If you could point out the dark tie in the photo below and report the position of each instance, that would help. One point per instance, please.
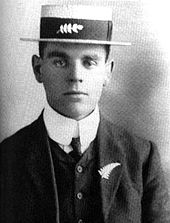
(76, 145)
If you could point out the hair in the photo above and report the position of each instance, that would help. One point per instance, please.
(107, 47)
(42, 46)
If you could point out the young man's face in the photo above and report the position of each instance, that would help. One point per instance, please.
(73, 76)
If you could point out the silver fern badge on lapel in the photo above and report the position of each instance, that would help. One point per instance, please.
(106, 170)
(69, 28)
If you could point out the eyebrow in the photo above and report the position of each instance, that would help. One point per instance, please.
(56, 54)
(92, 57)
(53, 54)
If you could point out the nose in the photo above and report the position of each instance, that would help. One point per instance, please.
(75, 72)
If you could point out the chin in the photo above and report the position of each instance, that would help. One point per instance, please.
(78, 112)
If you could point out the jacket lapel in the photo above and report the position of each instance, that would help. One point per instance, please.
(109, 153)
(41, 169)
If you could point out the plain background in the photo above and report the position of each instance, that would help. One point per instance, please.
(138, 97)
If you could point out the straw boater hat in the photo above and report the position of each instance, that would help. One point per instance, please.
(76, 24)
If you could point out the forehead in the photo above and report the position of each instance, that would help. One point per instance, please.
(71, 49)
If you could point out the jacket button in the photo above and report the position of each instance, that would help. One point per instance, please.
(80, 169)
(79, 195)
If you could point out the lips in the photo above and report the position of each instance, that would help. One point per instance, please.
(75, 93)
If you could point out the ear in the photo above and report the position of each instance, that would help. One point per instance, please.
(36, 65)
(109, 70)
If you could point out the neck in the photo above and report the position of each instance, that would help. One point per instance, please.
(75, 116)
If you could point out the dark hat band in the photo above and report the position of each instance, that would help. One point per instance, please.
(59, 28)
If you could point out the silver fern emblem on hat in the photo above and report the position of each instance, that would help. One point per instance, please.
(106, 170)
(69, 28)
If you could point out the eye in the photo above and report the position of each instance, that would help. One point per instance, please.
(60, 62)
(90, 63)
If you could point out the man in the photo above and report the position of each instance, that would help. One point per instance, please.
(71, 165)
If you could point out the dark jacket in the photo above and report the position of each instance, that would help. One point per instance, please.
(135, 191)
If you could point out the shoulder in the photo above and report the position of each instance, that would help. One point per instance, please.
(22, 136)
(134, 147)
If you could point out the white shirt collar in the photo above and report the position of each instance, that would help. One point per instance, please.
(62, 129)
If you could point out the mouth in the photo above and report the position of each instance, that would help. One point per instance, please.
(72, 93)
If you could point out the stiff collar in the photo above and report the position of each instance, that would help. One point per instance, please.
(62, 129)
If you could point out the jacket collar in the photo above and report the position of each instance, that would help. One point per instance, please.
(41, 169)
